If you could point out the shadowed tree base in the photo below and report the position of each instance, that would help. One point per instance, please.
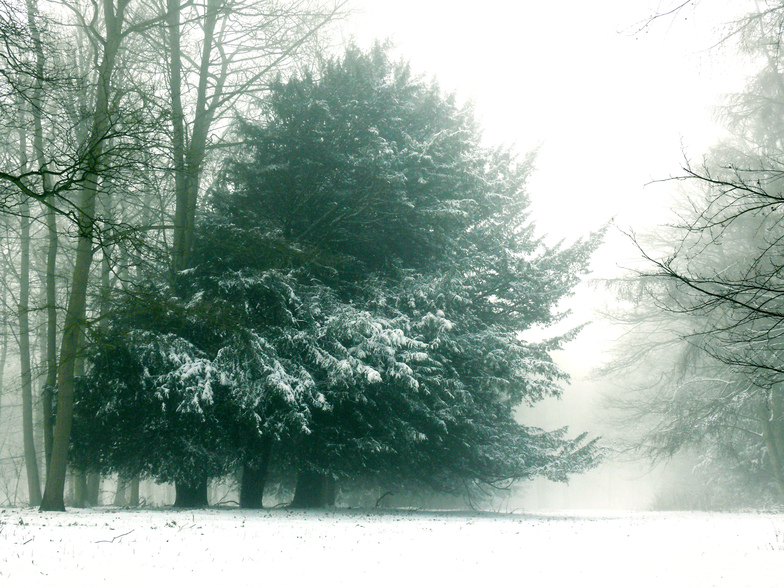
(52, 504)
(314, 490)
(252, 487)
(191, 496)
(254, 479)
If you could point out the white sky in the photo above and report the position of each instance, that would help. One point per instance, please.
(611, 108)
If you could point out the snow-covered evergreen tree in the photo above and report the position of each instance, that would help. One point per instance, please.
(362, 283)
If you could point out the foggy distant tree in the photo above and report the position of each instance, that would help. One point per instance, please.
(715, 290)
(37, 100)
(4, 329)
(31, 460)
(360, 282)
(670, 396)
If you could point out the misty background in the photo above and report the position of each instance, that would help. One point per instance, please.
(612, 102)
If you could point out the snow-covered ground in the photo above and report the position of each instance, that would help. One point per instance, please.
(150, 548)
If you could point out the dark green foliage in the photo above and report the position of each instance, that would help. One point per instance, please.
(366, 166)
(149, 408)
(362, 280)
(378, 187)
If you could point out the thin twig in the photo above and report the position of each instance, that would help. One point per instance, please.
(113, 539)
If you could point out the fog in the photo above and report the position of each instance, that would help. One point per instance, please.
(613, 102)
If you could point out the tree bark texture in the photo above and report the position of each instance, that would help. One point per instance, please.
(314, 490)
(254, 479)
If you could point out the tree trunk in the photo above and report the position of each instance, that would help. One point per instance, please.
(31, 461)
(179, 252)
(93, 489)
(189, 155)
(133, 499)
(80, 489)
(37, 102)
(314, 490)
(71, 496)
(191, 496)
(120, 498)
(254, 478)
(77, 302)
(74, 319)
(50, 385)
(3, 343)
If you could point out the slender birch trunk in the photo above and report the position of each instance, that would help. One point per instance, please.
(37, 104)
(31, 461)
(189, 155)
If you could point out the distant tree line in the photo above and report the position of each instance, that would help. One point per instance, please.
(702, 357)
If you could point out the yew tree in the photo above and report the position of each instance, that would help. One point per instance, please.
(363, 278)
(375, 185)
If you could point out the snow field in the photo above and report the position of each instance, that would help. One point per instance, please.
(150, 548)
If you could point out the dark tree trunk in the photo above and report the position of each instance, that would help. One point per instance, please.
(133, 500)
(93, 489)
(188, 496)
(314, 490)
(119, 494)
(254, 478)
(252, 486)
(80, 489)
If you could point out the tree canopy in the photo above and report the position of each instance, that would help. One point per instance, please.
(361, 284)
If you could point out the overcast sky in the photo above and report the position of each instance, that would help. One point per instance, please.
(611, 106)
